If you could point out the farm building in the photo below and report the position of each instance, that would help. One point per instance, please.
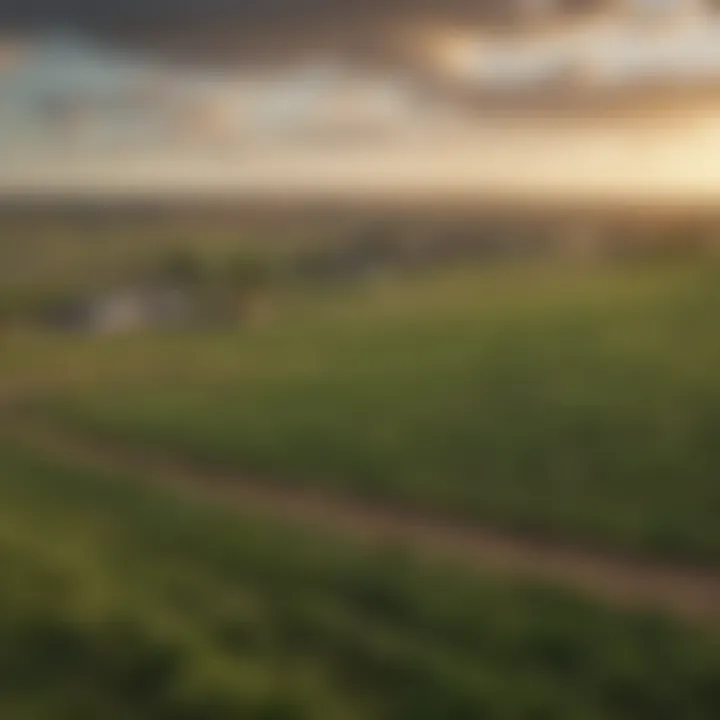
(121, 311)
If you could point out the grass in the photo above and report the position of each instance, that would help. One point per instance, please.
(576, 403)
(582, 404)
(122, 601)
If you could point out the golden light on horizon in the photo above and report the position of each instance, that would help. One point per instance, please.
(562, 162)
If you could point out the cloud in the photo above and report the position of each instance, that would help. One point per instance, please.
(243, 17)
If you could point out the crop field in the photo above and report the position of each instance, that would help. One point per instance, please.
(453, 490)
(570, 403)
(133, 602)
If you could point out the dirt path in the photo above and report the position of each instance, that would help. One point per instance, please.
(687, 592)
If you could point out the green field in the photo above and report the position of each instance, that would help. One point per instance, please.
(578, 403)
(573, 408)
(120, 601)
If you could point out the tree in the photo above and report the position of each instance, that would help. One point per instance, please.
(184, 267)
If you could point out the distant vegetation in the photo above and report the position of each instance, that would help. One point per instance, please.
(223, 258)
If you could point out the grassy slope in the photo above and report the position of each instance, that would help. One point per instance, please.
(124, 602)
(579, 404)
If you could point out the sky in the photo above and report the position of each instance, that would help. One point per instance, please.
(669, 152)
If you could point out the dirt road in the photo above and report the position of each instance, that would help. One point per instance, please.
(688, 592)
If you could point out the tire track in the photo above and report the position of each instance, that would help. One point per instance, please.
(688, 592)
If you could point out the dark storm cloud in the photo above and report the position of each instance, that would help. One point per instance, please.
(273, 27)
(109, 12)
(122, 14)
